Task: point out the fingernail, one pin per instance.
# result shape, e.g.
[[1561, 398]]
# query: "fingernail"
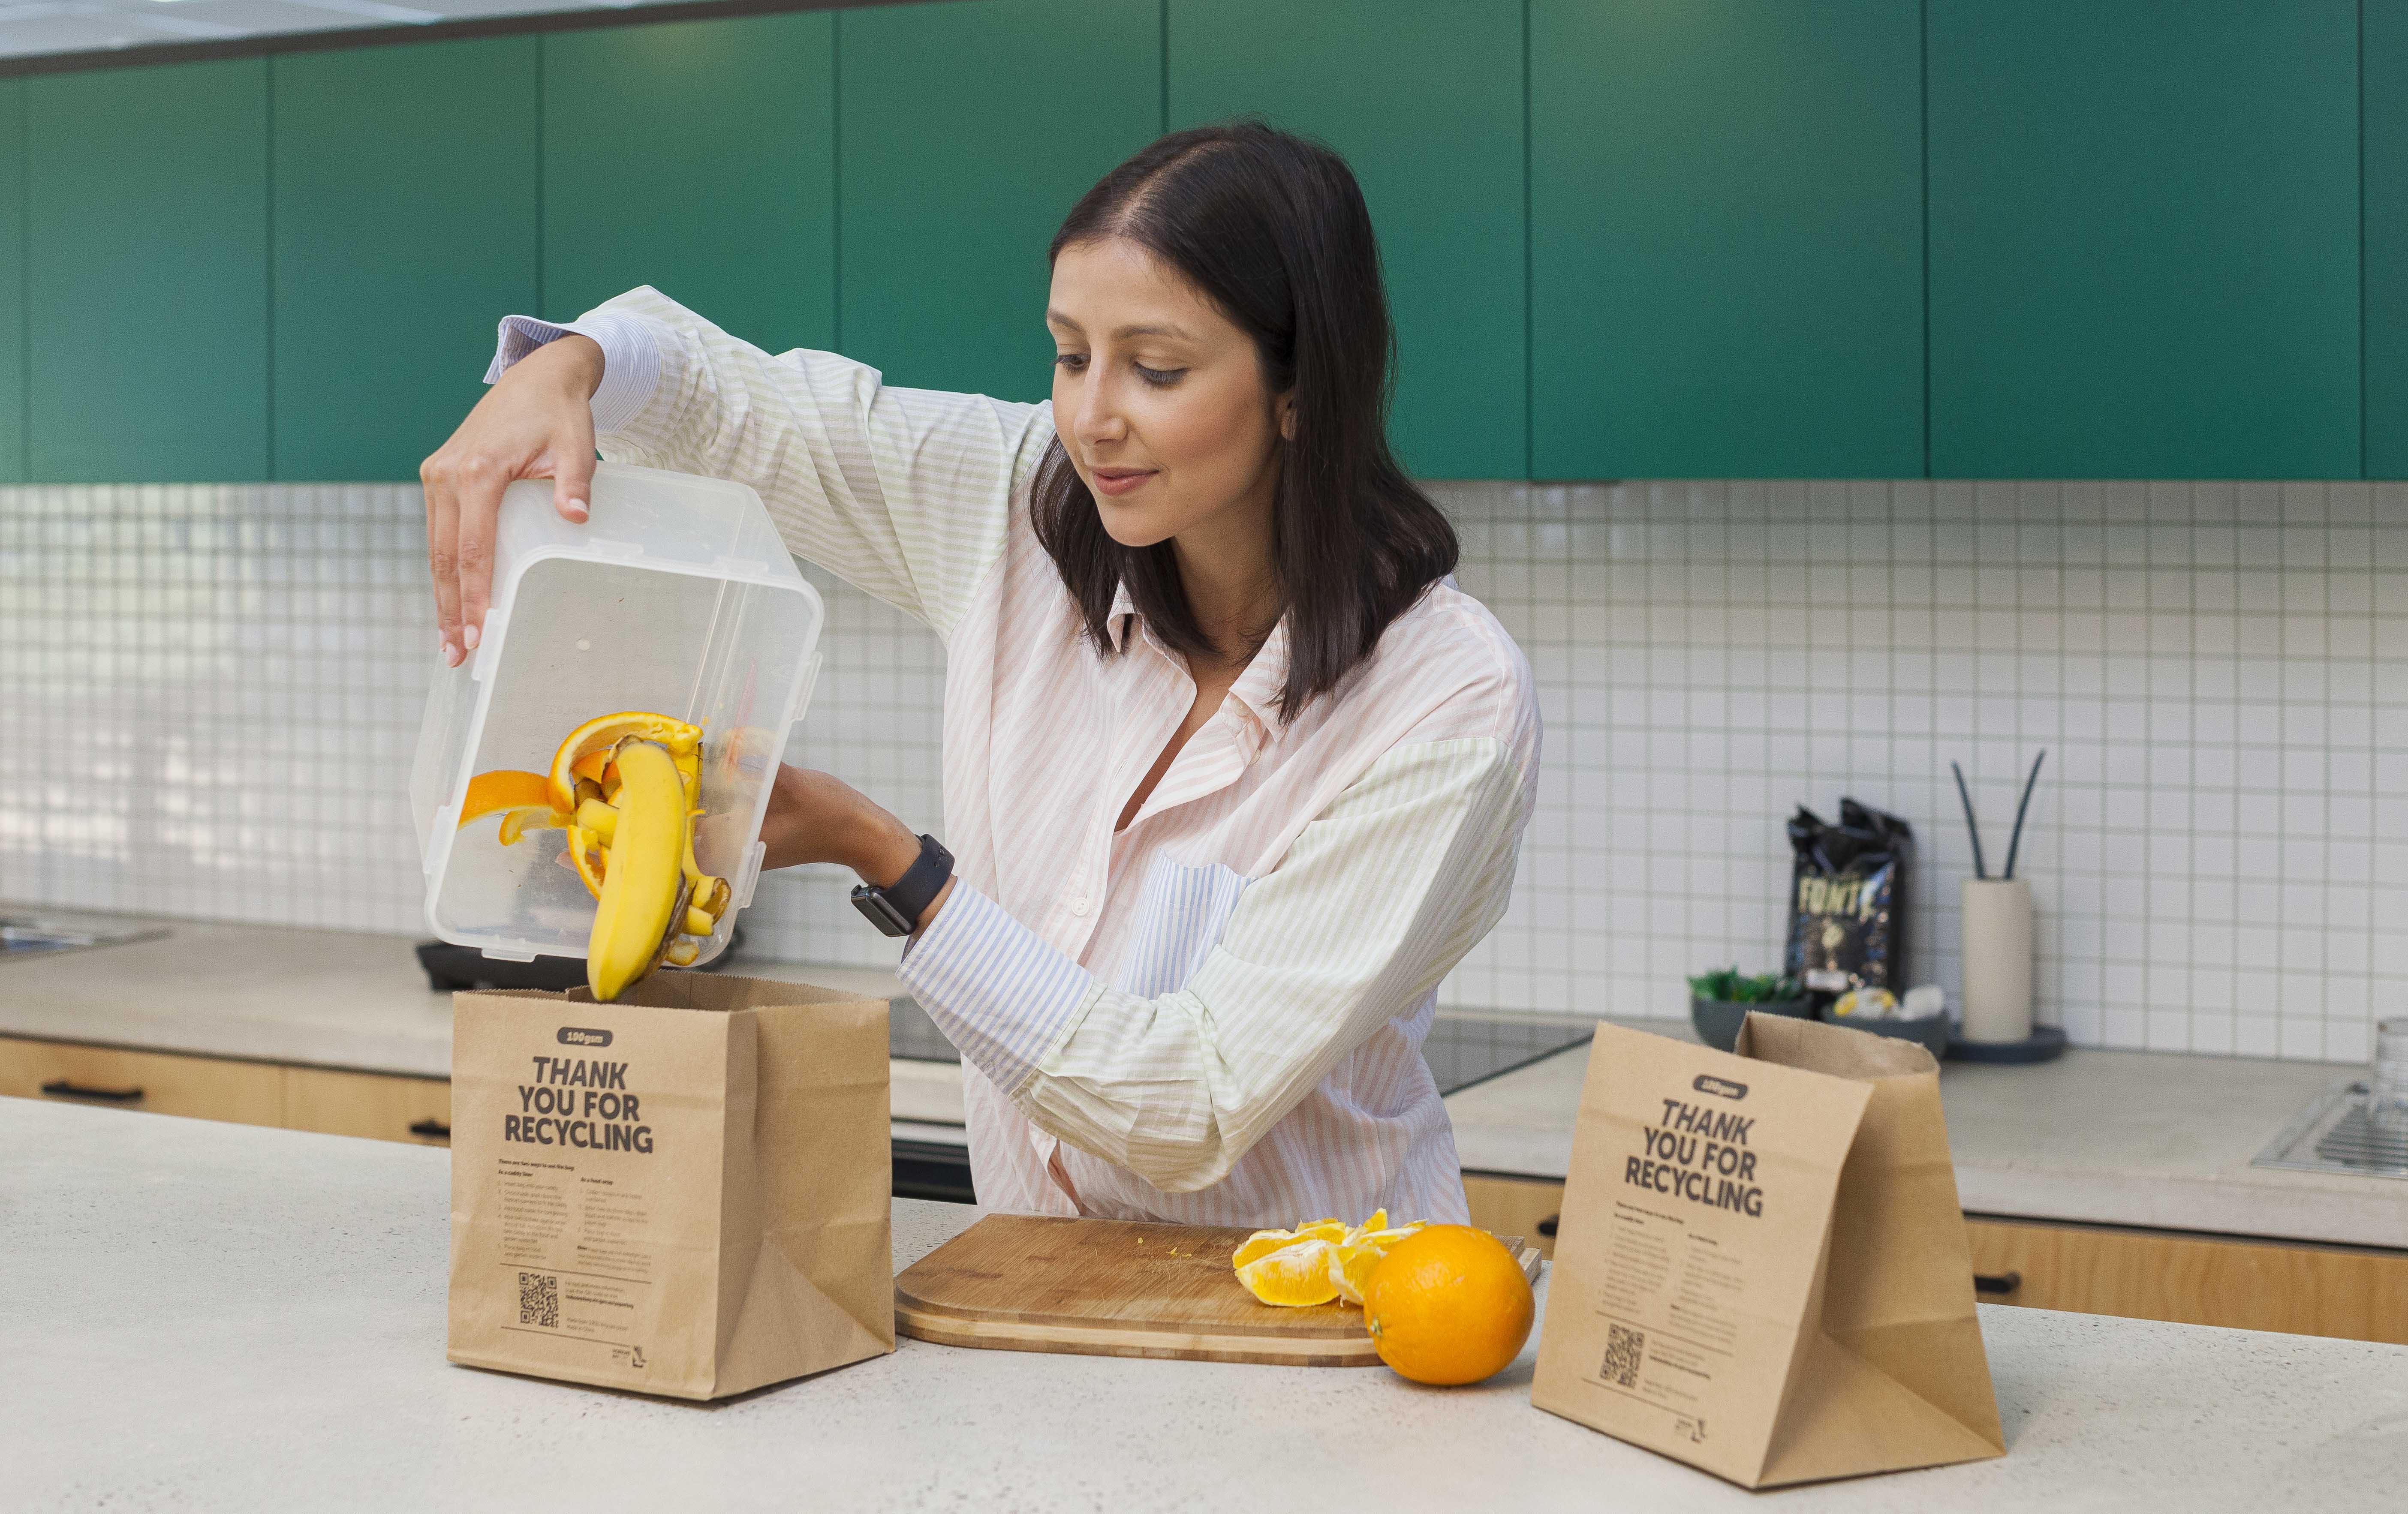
[[451, 655], [469, 635], [577, 509]]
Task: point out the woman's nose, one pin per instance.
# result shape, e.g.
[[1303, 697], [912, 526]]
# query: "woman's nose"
[[1099, 418]]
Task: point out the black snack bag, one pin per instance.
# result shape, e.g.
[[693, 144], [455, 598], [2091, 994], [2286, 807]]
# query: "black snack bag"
[[1848, 894]]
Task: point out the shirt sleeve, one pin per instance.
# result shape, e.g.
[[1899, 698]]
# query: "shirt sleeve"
[[906, 494], [1380, 895]]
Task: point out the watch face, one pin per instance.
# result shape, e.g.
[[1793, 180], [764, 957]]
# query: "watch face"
[[883, 914]]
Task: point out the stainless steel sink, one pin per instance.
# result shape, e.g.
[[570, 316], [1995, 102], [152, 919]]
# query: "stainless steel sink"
[[2336, 1134], [21, 937]]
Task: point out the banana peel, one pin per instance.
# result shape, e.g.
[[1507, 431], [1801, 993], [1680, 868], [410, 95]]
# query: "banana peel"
[[627, 788], [641, 905]]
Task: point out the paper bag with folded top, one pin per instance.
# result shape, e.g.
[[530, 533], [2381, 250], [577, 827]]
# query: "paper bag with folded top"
[[1761, 1269], [682, 1192]]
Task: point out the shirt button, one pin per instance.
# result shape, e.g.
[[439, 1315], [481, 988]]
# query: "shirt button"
[[1078, 905]]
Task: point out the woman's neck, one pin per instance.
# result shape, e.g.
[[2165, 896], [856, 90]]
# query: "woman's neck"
[[1231, 585]]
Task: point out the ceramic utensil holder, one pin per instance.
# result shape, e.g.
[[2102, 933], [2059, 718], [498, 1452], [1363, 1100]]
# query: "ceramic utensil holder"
[[1998, 915]]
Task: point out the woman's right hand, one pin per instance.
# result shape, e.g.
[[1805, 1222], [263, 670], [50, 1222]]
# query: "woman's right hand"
[[536, 422]]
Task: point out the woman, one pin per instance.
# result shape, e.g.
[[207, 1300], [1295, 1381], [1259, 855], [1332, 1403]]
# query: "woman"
[[1233, 773]]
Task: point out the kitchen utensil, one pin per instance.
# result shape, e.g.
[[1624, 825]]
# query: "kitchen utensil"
[[1717, 1021], [678, 597], [1973, 828], [1022, 1282], [1998, 959]]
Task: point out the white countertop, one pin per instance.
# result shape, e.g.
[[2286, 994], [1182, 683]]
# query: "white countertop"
[[201, 1316], [2105, 1138], [2111, 1137]]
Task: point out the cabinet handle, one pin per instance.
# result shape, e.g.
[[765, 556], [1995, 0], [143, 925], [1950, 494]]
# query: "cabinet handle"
[[60, 1088], [1547, 1226], [432, 1130], [2005, 1283]]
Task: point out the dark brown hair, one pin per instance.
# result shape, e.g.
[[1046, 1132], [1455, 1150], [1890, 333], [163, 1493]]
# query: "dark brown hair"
[[1273, 229]]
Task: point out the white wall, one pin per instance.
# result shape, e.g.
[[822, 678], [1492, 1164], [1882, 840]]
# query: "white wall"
[[211, 694]]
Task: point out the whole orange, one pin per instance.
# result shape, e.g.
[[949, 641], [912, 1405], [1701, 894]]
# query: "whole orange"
[[1449, 1304]]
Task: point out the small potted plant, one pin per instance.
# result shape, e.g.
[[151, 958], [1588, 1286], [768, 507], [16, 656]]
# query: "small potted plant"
[[1720, 1001]]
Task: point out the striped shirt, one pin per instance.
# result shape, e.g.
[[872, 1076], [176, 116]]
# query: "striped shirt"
[[1215, 1015]]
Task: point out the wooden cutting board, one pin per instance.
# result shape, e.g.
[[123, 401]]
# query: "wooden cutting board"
[[1022, 1282]]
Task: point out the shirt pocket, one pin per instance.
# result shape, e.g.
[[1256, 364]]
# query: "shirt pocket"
[[1181, 914]]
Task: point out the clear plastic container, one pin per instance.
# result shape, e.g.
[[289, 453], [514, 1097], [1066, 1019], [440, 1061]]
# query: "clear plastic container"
[[676, 596]]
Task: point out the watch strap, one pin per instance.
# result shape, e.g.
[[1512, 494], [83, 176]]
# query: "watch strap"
[[896, 909]]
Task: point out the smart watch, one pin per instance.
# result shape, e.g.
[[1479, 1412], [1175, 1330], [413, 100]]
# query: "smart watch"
[[895, 909]]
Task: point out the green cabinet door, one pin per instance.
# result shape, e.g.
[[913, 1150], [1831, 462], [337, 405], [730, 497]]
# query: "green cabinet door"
[[405, 229], [1726, 238], [147, 299], [2386, 239], [13, 280], [968, 129], [697, 157], [1424, 97], [2144, 238]]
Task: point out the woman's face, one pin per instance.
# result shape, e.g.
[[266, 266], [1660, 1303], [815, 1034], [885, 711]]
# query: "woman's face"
[[1159, 398]]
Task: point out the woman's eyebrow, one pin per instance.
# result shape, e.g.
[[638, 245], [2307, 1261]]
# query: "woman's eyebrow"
[[1126, 331]]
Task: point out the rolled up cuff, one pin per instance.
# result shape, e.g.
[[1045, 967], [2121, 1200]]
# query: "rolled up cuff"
[[631, 359]]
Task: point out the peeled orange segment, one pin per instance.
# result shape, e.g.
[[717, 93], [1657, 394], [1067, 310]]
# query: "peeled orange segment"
[[604, 733], [1351, 1268], [1297, 1276], [1332, 1231], [505, 787], [1260, 1244]]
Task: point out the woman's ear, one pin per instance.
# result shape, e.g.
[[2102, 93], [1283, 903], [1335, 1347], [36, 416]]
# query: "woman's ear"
[[1284, 408]]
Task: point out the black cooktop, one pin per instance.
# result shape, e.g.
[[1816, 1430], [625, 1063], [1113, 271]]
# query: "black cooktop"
[[1462, 1050]]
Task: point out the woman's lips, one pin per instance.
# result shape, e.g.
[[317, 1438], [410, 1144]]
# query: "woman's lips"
[[1120, 480]]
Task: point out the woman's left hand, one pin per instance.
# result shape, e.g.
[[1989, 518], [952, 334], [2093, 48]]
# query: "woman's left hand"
[[817, 817]]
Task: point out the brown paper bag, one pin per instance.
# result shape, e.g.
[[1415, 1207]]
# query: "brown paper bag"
[[685, 1192], [1761, 1269]]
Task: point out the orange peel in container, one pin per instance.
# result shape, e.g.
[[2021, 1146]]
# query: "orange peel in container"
[[627, 788], [601, 735]]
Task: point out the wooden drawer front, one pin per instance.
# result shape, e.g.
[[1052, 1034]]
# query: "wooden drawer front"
[[1523, 1207], [203, 1088], [2358, 1294], [383, 1107]]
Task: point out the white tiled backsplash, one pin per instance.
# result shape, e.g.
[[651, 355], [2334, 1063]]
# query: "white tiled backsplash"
[[211, 694]]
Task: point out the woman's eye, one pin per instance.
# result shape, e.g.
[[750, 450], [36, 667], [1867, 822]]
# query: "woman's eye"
[[1158, 377], [1074, 362]]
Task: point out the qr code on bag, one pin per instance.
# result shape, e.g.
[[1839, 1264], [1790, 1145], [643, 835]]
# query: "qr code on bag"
[[1624, 1352], [540, 1300]]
